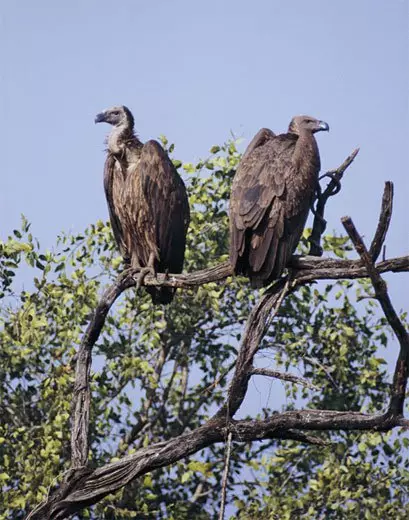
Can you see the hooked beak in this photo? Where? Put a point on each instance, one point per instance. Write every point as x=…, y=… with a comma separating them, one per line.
x=100, y=118
x=323, y=126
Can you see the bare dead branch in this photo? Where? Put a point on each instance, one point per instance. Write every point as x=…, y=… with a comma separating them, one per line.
x=333, y=188
x=264, y=311
x=88, y=487
x=384, y=222
x=83, y=486
x=402, y=366
x=284, y=376
x=80, y=407
x=304, y=270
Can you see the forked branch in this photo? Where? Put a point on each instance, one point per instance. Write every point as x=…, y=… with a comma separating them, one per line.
x=381, y=293
x=334, y=186
x=83, y=486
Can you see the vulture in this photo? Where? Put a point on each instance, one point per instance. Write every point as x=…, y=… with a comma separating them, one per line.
x=273, y=189
x=147, y=202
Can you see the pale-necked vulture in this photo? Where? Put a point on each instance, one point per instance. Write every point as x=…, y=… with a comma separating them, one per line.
x=272, y=192
x=147, y=202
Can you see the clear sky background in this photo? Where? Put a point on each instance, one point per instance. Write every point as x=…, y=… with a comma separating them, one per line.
x=195, y=71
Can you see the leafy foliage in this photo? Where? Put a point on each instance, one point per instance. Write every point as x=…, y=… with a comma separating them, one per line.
x=161, y=371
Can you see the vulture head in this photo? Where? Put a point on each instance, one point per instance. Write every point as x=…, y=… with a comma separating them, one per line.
x=116, y=116
x=300, y=123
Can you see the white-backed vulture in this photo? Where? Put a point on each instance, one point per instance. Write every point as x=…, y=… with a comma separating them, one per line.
x=147, y=202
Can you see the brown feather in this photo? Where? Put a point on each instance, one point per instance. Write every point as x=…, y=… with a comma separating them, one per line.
x=147, y=201
x=113, y=184
x=271, y=195
x=157, y=214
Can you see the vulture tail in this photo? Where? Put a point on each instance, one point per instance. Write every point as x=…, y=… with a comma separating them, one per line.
x=257, y=281
x=162, y=295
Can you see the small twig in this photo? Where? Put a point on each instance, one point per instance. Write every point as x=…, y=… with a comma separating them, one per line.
x=225, y=476
x=284, y=376
x=333, y=188
x=324, y=368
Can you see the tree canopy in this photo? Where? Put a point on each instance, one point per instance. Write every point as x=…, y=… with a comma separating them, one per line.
x=160, y=373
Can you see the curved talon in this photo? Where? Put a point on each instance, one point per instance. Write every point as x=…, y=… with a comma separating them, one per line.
x=144, y=271
x=135, y=272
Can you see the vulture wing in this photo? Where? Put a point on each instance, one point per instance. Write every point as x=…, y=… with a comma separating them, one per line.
x=261, y=137
x=158, y=214
x=268, y=209
x=113, y=185
x=166, y=195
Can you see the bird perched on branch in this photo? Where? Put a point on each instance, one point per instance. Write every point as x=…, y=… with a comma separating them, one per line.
x=147, y=202
x=272, y=192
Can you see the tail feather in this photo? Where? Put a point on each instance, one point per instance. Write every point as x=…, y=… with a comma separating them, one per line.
x=161, y=295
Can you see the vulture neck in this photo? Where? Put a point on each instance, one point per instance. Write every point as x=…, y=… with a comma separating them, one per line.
x=306, y=149
x=120, y=138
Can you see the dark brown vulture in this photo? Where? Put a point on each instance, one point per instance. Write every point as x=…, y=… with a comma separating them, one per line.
x=147, y=202
x=272, y=192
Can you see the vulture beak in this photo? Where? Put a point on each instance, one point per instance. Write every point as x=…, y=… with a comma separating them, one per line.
x=100, y=118
x=322, y=125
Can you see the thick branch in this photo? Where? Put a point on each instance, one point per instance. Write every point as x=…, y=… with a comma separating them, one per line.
x=303, y=267
x=256, y=327
x=80, y=407
x=384, y=222
x=304, y=270
x=89, y=488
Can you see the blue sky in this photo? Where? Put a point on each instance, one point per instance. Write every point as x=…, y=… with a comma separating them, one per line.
x=195, y=71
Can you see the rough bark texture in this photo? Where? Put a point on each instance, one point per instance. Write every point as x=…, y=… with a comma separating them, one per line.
x=83, y=486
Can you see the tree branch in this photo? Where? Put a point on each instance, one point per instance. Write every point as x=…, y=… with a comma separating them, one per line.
x=225, y=476
x=91, y=486
x=384, y=222
x=83, y=486
x=304, y=270
x=402, y=366
x=80, y=407
x=262, y=313
x=334, y=186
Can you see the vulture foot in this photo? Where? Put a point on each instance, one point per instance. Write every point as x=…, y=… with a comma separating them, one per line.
x=143, y=273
